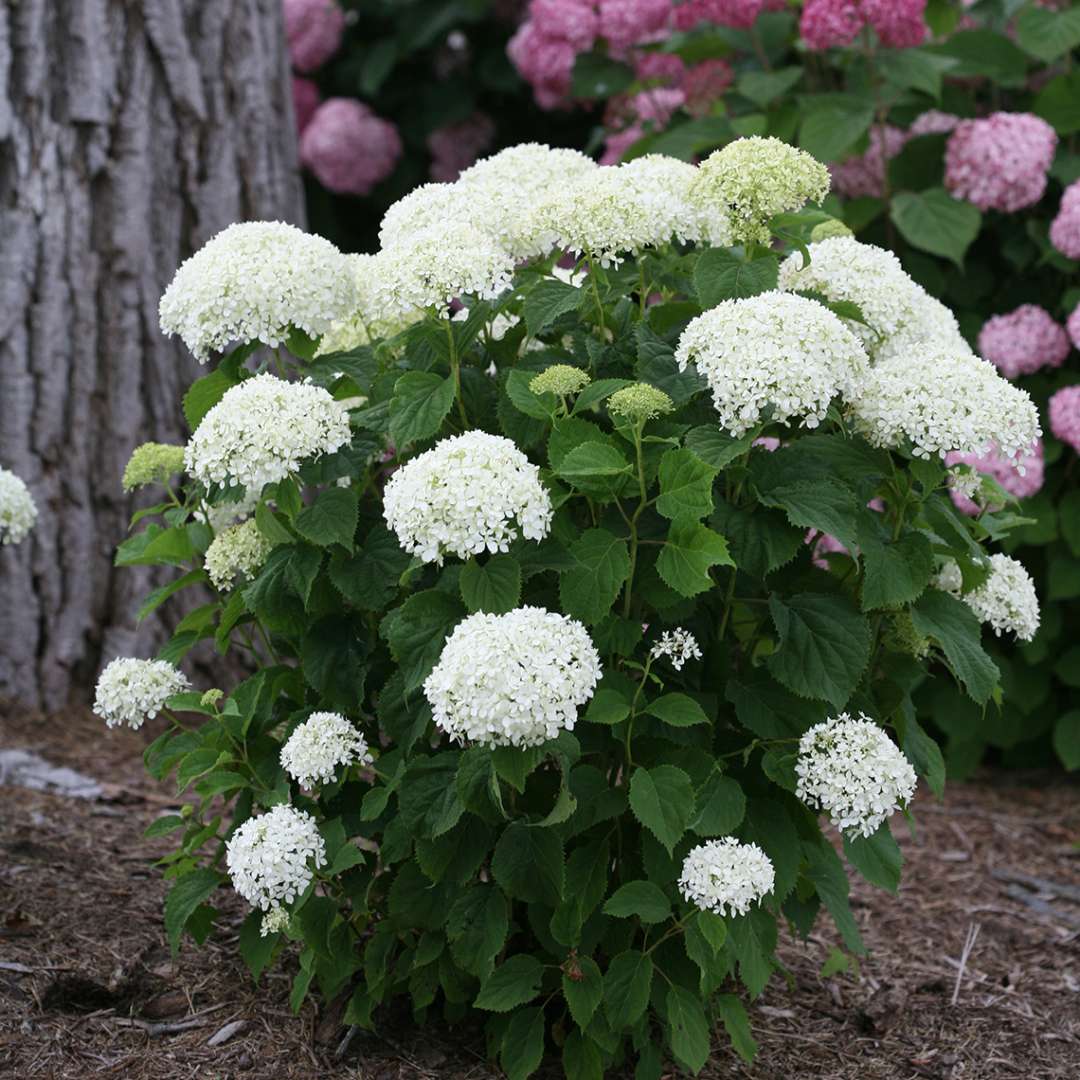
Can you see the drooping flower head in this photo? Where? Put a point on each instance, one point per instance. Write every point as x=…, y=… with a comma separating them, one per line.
x=726, y=877
x=131, y=691
x=271, y=857
x=1022, y=478
x=1064, y=413
x=850, y=769
x=751, y=180
x=17, y=509
x=777, y=350
x=239, y=549
x=1024, y=340
x=1065, y=228
x=470, y=493
x=262, y=430
x=678, y=646
x=252, y=282
x=348, y=147
x=512, y=680
x=1007, y=600
x=321, y=745
x=313, y=29
x=152, y=463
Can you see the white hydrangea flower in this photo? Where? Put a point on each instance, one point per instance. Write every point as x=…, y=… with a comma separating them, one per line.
x=662, y=189
x=1007, y=599
x=726, y=877
x=426, y=207
x=899, y=313
x=773, y=349
x=17, y=509
x=252, y=282
x=131, y=691
x=275, y=921
x=270, y=857
x=463, y=496
x=965, y=481
x=949, y=578
x=854, y=772
x=262, y=430
x=318, y=746
x=239, y=549
x=678, y=646
x=512, y=680
x=221, y=515
x=942, y=401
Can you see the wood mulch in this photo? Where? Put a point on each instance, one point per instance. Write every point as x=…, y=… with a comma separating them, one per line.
x=87, y=986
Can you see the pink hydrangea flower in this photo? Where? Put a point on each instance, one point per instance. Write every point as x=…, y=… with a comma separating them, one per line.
x=1072, y=325
x=659, y=66
x=627, y=22
x=349, y=148
x=543, y=62
x=865, y=174
x=705, y=83
x=898, y=23
x=1000, y=162
x=768, y=442
x=1065, y=416
x=824, y=544
x=313, y=29
x=574, y=21
x=618, y=142
x=656, y=106
x=305, y=96
x=933, y=122
x=1024, y=340
x=992, y=464
x=737, y=13
x=830, y=24
x=455, y=147
x=1065, y=228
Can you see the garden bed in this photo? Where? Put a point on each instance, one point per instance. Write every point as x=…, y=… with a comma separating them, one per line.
x=87, y=987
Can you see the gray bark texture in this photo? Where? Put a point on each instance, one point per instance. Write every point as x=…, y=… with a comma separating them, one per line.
x=131, y=131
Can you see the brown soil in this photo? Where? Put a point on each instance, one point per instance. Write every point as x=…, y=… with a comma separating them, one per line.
x=87, y=987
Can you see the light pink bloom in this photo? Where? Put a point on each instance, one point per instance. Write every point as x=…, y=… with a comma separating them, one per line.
x=628, y=22
x=704, y=83
x=1065, y=416
x=313, y=29
x=830, y=24
x=898, y=23
x=933, y=122
x=305, y=96
x=574, y=21
x=740, y=14
x=1022, y=341
x=659, y=66
x=455, y=147
x=1065, y=228
x=348, y=148
x=1072, y=325
x=618, y=142
x=545, y=63
x=865, y=174
x=1004, y=471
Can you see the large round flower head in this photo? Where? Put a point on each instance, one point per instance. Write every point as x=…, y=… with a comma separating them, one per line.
x=1022, y=478
x=17, y=509
x=546, y=63
x=854, y=772
x=932, y=326
x=751, y=180
x=1024, y=340
x=320, y=745
x=1065, y=228
x=662, y=185
x=1000, y=162
x=262, y=430
x=864, y=174
x=736, y=13
x=348, y=147
x=726, y=877
x=1007, y=599
x=776, y=350
x=942, y=401
x=152, y=463
x=512, y=680
x=463, y=497
x=271, y=857
x=574, y=21
x=239, y=549
x=1064, y=410
x=313, y=29
x=627, y=22
x=131, y=691
x=425, y=207
x=252, y=282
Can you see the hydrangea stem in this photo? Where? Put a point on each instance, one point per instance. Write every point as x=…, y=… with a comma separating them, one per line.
x=455, y=371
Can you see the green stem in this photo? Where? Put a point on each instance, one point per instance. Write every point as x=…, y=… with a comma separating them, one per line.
x=596, y=295
x=455, y=371
x=643, y=501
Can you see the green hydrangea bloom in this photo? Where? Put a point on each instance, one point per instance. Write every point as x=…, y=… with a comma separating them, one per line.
x=828, y=229
x=152, y=463
x=640, y=402
x=561, y=379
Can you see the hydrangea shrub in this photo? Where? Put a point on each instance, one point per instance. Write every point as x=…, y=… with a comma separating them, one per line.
x=553, y=707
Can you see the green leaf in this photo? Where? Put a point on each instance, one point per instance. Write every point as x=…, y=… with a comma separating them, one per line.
x=370, y=578
x=984, y=53
x=678, y=710
x=204, y=394
x=164, y=825
x=719, y=275
x=640, y=898
x=914, y=69
x=159, y=596
x=1067, y=739
x=817, y=504
x=607, y=707
x=896, y=572
x=548, y=300
x=824, y=646
x=419, y=406
x=256, y=950
x=601, y=565
x=476, y=927
x=417, y=631
x=954, y=626
x=598, y=76
x=934, y=221
x=922, y=751
x=537, y=406
x=583, y=989
x=762, y=87
x=685, y=486
x=685, y=558
x=716, y=447
x=833, y=123
x=721, y=807
x=737, y=1026
x=333, y=658
x=493, y=586
x=270, y=527
x=528, y=864
x=183, y=898
x=662, y=799
x=581, y=1058
x=513, y=983
x=688, y=1029
x=593, y=459
x=760, y=540
x=826, y=871
x=627, y=984
x=1047, y=34
x=330, y=519
x=752, y=939
x=876, y=857
x=1058, y=103
x=523, y=1043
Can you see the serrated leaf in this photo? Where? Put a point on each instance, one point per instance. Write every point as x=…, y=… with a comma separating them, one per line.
x=523, y=1044
x=690, y=550
x=833, y=123
x=895, y=572
x=182, y=900
x=818, y=504
x=333, y=658
x=528, y=864
x=627, y=984
x=535, y=406
x=685, y=486
x=255, y=948
x=583, y=990
x=204, y=394
x=719, y=275
x=716, y=447
x=601, y=565
x=330, y=519
x=876, y=857
x=419, y=406
x=954, y=626
x=370, y=578
x=737, y=1026
x=494, y=586
x=581, y=1058
x=721, y=807
x=513, y=983
x=678, y=710
x=662, y=799
x=548, y=300
x=591, y=459
x=476, y=927
x=826, y=871
x=417, y=631
x=640, y=898
x=688, y=1029
x=1048, y=34
x=607, y=707
x=760, y=539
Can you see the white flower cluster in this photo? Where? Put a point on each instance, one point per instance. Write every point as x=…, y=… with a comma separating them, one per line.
x=270, y=857
x=1007, y=599
x=131, y=691
x=316, y=748
x=949, y=578
x=261, y=431
x=726, y=877
x=252, y=282
x=239, y=549
x=462, y=497
x=942, y=401
x=678, y=646
x=17, y=510
x=512, y=680
x=853, y=771
x=275, y=921
x=773, y=349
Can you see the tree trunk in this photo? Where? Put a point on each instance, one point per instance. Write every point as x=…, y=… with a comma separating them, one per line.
x=131, y=131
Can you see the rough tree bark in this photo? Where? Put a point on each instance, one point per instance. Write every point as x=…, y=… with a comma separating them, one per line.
x=130, y=132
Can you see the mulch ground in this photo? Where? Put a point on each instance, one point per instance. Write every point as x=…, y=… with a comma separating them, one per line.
x=87, y=987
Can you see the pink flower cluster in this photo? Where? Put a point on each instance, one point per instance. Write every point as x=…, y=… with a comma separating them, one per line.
x=1000, y=162
x=305, y=96
x=865, y=174
x=646, y=110
x=933, y=122
x=740, y=14
x=349, y=148
x=313, y=29
x=1001, y=469
x=1065, y=416
x=1065, y=228
x=829, y=24
x=455, y=147
x=1024, y=340
x=1072, y=325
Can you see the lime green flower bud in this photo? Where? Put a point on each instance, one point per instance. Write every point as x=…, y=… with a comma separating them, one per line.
x=211, y=698
x=152, y=463
x=640, y=402
x=561, y=379
x=827, y=229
